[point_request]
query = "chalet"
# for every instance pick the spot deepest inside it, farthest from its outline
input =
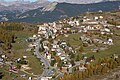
(101, 17)
(59, 51)
(24, 57)
(90, 59)
(110, 42)
(23, 75)
(34, 36)
(25, 67)
(106, 30)
(31, 39)
(48, 56)
(32, 45)
(62, 57)
(68, 65)
(46, 78)
(77, 23)
(96, 18)
(42, 29)
(118, 27)
(1, 60)
(91, 22)
(82, 68)
(3, 56)
(116, 56)
(29, 78)
(64, 69)
(13, 69)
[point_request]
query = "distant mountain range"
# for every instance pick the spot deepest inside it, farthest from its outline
(84, 1)
(21, 5)
(44, 11)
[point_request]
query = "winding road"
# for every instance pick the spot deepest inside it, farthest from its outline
(47, 68)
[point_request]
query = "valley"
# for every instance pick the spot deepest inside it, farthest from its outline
(61, 40)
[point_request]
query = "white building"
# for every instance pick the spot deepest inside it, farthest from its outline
(46, 78)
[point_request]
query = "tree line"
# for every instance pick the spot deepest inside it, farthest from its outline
(6, 38)
(12, 26)
(103, 66)
(6, 35)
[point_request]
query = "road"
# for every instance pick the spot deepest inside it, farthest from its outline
(47, 68)
(59, 75)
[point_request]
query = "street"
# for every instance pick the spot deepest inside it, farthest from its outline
(47, 68)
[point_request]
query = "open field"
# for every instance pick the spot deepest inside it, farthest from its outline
(19, 50)
(75, 42)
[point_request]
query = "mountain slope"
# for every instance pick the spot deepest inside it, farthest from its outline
(10, 10)
(84, 1)
(56, 11)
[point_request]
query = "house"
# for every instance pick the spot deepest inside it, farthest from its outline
(32, 39)
(62, 57)
(49, 56)
(3, 56)
(32, 45)
(42, 29)
(101, 17)
(77, 23)
(71, 23)
(46, 78)
(1, 60)
(29, 78)
(64, 69)
(52, 49)
(29, 49)
(13, 69)
(115, 56)
(63, 44)
(54, 24)
(91, 22)
(45, 43)
(110, 42)
(118, 27)
(90, 59)
(82, 68)
(24, 57)
(96, 18)
(25, 67)
(34, 36)
(23, 75)
(68, 65)
(106, 30)
(46, 48)
(59, 51)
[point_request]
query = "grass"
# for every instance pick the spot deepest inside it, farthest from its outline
(74, 41)
(35, 64)
(19, 50)
(20, 46)
(10, 76)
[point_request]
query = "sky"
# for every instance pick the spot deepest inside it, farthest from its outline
(30, 0)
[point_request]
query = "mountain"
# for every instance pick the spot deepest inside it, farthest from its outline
(21, 5)
(10, 10)
(80, 1)
(55, 11)
(83, 1)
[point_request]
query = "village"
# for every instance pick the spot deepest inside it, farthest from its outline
(65, 46)
(94, 32)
